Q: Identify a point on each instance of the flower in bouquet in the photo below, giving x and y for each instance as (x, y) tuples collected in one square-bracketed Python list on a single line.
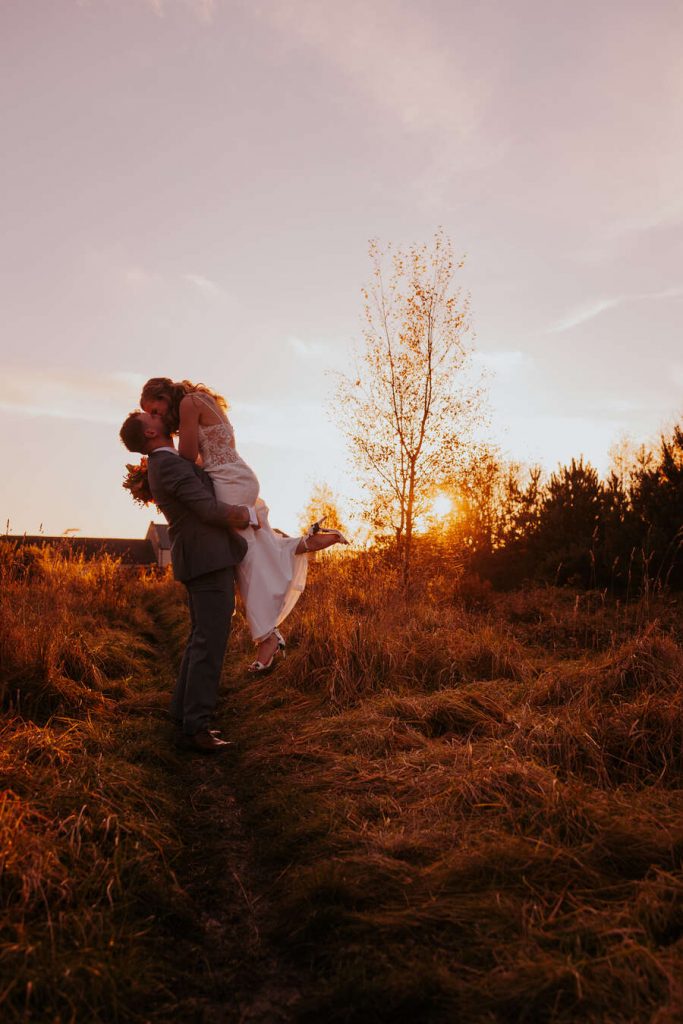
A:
[(137, 483)]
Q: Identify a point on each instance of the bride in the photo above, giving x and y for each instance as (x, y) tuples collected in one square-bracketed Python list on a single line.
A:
[(272, 574)]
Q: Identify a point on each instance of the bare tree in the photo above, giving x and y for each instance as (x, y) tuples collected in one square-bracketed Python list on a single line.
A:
[(409, 410)]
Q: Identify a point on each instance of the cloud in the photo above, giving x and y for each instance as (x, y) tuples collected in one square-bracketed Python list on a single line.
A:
[(205, 285), (288, 425), (76, 395), (675, 292), (504, 361), (669, 216), (585, 313), (307, 349), (594, 309), (551, 439), (138, 277), (202, 9), (401, 64)]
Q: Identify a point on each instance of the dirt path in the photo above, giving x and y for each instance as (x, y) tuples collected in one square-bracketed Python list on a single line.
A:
[(228, 970), (233, 974)]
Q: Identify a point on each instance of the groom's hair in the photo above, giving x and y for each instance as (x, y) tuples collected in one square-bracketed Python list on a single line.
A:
[(132, 433)]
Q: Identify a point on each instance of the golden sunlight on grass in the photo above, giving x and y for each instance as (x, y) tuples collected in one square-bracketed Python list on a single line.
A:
[(458, 804), (474, 800)]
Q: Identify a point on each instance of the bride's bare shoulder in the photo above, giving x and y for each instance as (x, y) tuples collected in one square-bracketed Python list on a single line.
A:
[(202, 407), (188, 405)]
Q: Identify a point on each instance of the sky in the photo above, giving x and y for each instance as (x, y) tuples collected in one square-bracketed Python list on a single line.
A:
[(189, 188)]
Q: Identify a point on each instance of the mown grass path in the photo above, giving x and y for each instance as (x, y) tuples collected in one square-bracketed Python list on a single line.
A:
[(225, 968)]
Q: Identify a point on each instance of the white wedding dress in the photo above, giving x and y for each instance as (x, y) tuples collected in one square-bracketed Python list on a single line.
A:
[(271, 576)]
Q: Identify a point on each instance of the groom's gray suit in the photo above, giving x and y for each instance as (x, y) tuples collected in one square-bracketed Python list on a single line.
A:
[(204, 550)]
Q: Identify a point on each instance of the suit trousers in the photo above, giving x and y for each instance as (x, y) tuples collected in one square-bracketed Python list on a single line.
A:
[(212, 602)]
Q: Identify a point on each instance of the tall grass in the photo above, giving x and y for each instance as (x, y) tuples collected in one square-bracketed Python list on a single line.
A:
[(464, 805), (474, 799), (87, 834)]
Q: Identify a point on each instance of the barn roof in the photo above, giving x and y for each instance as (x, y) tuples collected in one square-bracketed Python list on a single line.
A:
[(160, 532), (130, 550)]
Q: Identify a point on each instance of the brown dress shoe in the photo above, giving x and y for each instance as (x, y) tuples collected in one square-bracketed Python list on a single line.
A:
[(205, 742), (215, 731)]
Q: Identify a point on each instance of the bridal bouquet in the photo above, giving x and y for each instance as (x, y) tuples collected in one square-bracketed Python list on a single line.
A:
[(137, 483)]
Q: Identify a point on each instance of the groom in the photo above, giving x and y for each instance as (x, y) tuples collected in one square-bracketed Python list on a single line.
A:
[(204, 551)]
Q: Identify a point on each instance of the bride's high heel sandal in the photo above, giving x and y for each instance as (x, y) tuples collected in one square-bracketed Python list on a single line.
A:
[(280, 639), (268, 666), (337, 537)]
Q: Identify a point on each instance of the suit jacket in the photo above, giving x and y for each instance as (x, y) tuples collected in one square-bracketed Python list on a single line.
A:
[(201, 528)]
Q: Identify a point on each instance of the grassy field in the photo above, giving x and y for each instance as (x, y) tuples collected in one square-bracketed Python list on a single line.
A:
[(453, 805)]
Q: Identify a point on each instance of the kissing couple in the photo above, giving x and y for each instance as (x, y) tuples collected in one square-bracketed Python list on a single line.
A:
[(220, 534)]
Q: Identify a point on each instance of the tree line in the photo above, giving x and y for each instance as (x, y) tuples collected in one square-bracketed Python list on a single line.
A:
[(412, 411), (624, 533)]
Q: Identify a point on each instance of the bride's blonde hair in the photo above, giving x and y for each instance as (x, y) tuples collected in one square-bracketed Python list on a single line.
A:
[(174, 392)]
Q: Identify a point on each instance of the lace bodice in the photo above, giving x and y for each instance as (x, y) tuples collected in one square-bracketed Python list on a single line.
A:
[(217, 444), (217, 440)]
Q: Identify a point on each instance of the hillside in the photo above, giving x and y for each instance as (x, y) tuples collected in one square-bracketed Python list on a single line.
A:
[(456, 806)]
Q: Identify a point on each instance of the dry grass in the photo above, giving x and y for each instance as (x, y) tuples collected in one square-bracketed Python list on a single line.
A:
[(469, 805), (88, 835), (473, 823)]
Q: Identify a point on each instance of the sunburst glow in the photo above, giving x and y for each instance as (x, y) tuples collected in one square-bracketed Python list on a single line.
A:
[(442, 506)]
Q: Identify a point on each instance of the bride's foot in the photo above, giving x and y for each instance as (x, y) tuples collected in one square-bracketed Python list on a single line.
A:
[(320, 541), (266, 652), (317, 539)]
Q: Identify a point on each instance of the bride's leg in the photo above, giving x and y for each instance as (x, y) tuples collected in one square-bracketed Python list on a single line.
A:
[(267, 648)]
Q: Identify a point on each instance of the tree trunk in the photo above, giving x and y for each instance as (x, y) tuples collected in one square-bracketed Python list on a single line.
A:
[(407, 550)]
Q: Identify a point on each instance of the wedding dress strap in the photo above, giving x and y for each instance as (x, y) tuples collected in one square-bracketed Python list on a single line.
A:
[(210, 403)]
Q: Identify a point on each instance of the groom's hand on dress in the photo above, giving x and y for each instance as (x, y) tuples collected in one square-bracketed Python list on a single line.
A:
[(253, 518), (250, 519), (238, 517)]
